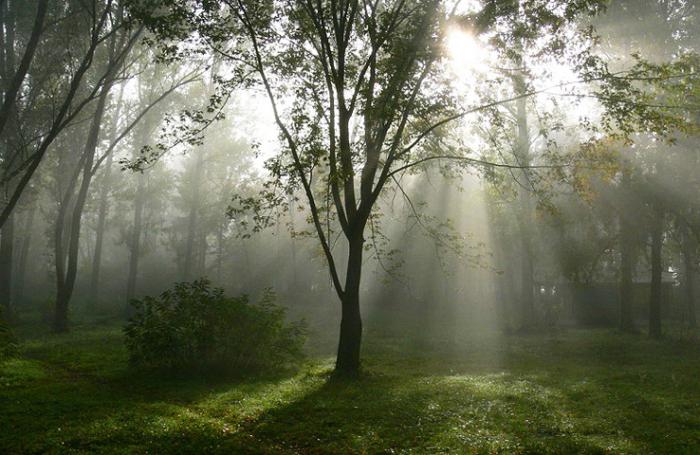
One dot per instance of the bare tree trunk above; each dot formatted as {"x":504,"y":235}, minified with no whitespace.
{"x":102,"y":212}
{"x":7,"y":111}
{"x":689,"y":246}
{"x":60,"y":322}
{"x":6,"y":253}
{"x":24,"y":254}
{"x":99,"y":234}
{"x":656,"y":274}
{"x":201,"y":269}
{"x":135,"y":242}
{"x":66,"y":283}
{"x":293,"y":243}
{"x":189,"y":260}
{"x":348,"y":359}
{"x":627,"y":261}
{"x":219,"y":252}
{"x":527,"y":276}
{"x":626,"y":322}
{"x":65,"y":288}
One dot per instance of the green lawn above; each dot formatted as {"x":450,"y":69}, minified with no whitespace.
{"x":574,"y":392}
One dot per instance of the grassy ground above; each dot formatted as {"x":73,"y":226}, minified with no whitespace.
{"x":575,"y":392}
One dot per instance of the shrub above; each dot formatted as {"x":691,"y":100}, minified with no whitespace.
{"x":195,"y":325}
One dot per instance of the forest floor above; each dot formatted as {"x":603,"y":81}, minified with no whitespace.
{"x":573,"y":392}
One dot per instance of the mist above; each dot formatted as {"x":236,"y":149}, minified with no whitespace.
{"x":349,"y":226}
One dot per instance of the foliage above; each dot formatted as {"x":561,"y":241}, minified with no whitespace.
{"x":195,"y":325}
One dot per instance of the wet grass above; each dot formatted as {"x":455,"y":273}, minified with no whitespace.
{"x":574,"y":392}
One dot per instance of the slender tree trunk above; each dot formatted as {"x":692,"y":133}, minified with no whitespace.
{"x":202,"y":256}
{"x":348,"y":359}
{"x":626,"y":322}
{"x":99,"y":234}
{"x":527,"y":280}
{"x":689,"y":258}
{"x":6,"y":253}
{"x":191,"y":239}
{"x":24,"y":254}
{"x":293,"y":243}
{"x":15,"y":82}
{"x":135,"y":243}
{"x":627,"y":262}
{"x":60,"y":321}
{"x":219,"y":252}
{"x":103,"y":210}
{"x":656,"y":275}
{"x":527,"y":275}
{"x":6,"y":113}
{"x":3,"y":27}
{"x":65,"y":290}
{"x":66,"y":283}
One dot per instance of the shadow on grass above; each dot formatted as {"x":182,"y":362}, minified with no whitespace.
{"x":461,"y":414}
{"x":579,"y":393}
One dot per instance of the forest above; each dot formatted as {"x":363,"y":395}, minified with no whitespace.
{"x":349,"y":226}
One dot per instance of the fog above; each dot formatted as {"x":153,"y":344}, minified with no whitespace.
{"x":529,"y":194}
{"x":349,"y":226}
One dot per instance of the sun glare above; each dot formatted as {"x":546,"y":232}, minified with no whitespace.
{"x":466,"y":53}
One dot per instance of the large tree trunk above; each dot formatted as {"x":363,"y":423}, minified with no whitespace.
{"x":6,"y":253}
{"x":348,"y":359}
{"x":689,"y":246}
{"x":627,"y":262}
{"x":656,"y":275}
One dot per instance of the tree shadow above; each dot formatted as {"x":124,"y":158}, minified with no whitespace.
{"x":379,"y":414}
{"x":539,"y":397}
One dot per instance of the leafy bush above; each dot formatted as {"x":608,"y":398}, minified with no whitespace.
{"x":195,"y":325}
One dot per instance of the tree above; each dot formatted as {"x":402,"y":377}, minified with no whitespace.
{"x":103,"y":205}
{"x":73,"y":201}
{"x":627,"y":254}
{"x":528,"y":40}
{"x":659,"y":30}
{"x":371,"y":72}
{"x":12,"y":34}
{"x":84,"y":27}
{"x":14,"y":76}
{"x":356,"y":91}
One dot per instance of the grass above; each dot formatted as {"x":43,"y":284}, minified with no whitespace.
{"x":574,"y":392}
